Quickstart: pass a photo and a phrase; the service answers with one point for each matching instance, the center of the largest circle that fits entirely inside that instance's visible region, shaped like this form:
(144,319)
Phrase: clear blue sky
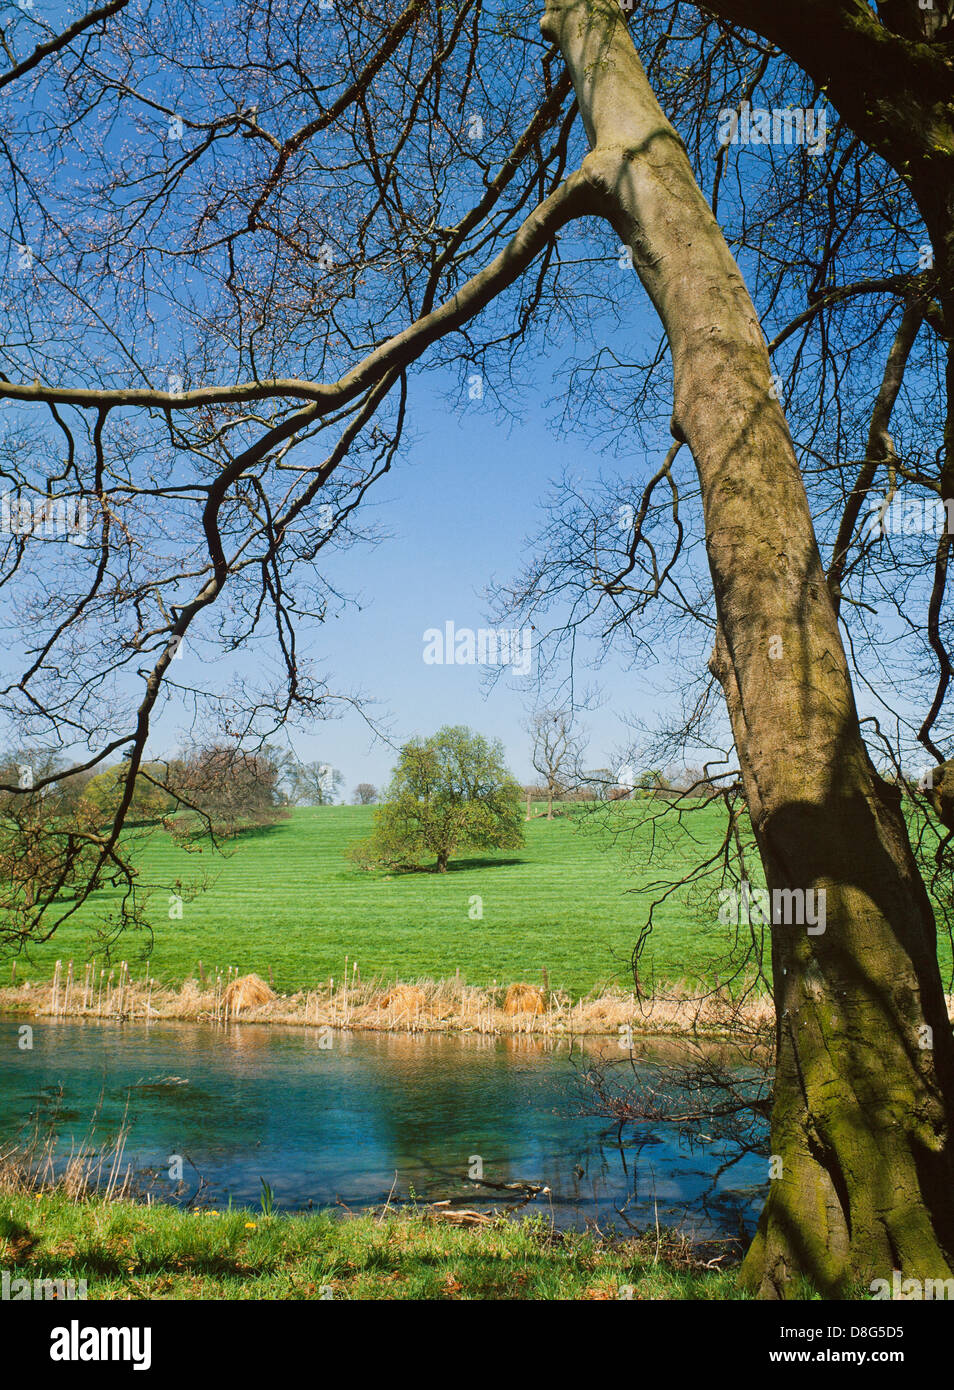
(459,504)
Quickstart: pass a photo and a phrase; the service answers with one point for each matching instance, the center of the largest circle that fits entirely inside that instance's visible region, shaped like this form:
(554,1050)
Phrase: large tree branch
(880,446)
(844,47)
(60,41)
(909,287)
(574,198)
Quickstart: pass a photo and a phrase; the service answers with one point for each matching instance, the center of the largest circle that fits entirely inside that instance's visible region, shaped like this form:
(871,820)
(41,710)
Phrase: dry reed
(419,1006)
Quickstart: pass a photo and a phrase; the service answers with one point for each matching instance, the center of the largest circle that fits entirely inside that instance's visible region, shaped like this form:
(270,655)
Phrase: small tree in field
(226,789)
(365,794)
(310,784)
(448,792)
(150,803)
(557,749)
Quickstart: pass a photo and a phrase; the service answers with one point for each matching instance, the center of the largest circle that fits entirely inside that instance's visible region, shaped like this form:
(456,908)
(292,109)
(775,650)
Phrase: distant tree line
(60,823)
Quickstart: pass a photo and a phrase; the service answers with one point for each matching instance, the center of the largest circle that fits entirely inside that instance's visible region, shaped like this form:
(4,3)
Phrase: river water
(369,1116)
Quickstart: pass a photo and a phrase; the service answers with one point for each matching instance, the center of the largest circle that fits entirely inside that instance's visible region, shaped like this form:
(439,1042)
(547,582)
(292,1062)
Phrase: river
(373,1114)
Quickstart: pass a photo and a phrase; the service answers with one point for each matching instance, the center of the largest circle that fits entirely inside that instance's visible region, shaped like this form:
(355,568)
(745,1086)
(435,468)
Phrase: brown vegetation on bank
(524,999)
(247,992)
(419,1006)
(422,1006)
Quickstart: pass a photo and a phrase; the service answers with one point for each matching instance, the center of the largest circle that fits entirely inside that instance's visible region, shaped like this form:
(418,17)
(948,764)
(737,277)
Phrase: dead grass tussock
(247,992)
(524,999)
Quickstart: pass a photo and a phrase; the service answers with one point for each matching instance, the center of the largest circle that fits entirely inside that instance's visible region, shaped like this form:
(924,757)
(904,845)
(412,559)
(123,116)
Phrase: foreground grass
(126,1250)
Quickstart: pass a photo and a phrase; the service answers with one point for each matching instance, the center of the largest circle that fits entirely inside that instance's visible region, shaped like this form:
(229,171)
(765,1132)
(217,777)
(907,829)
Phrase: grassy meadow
(126,1250)
(286,903)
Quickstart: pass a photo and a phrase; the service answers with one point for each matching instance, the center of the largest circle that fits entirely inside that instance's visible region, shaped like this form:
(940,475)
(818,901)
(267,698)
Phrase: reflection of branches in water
(717,1098)
(722,1242)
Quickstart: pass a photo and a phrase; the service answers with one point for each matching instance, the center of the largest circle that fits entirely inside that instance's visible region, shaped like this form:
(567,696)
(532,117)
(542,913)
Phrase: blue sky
(459,506)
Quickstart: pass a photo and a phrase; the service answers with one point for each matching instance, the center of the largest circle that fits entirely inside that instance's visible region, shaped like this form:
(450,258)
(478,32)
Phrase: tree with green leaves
(151,799)
(448,793)
(214,329)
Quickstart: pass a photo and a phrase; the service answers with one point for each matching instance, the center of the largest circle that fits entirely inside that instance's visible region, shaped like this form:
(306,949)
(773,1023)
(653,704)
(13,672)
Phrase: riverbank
(421,1006)
(128,1250)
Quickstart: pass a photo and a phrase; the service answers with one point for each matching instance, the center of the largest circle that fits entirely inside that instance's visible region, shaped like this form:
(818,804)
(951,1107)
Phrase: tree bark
(864,1092)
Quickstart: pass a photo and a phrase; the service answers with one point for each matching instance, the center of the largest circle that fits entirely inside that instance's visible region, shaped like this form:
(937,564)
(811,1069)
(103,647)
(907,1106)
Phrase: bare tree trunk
(864,1094)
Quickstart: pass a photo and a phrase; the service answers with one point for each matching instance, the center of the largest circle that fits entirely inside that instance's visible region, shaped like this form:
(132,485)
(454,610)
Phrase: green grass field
(126,1251)
(573,900)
